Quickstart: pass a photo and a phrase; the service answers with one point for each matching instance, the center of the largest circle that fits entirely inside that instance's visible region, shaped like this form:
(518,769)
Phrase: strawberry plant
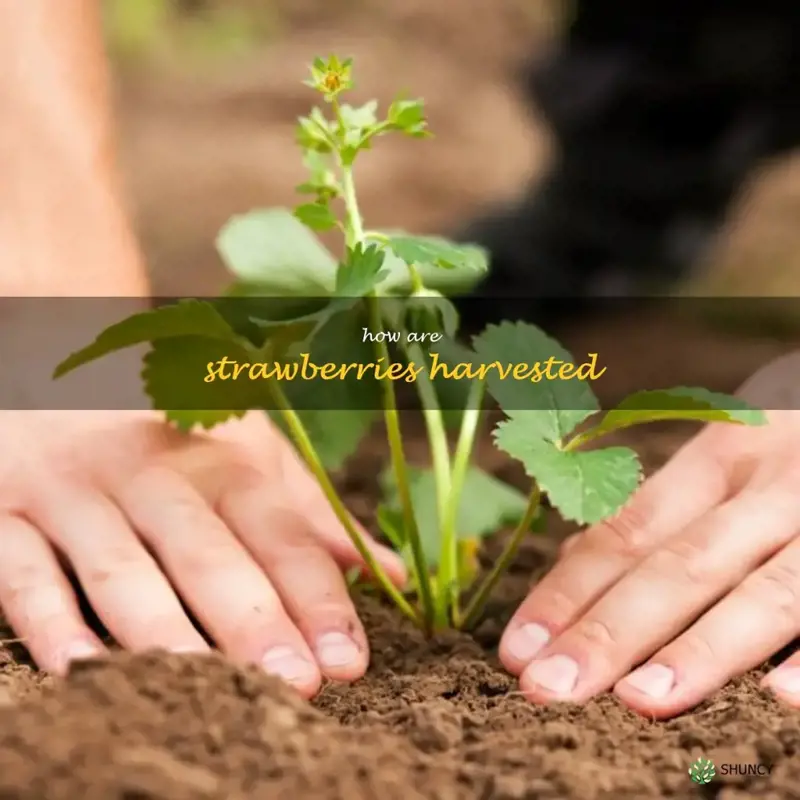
(322,344)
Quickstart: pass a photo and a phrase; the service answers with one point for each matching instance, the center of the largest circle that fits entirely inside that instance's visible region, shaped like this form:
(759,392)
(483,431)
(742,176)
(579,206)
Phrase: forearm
(63,226)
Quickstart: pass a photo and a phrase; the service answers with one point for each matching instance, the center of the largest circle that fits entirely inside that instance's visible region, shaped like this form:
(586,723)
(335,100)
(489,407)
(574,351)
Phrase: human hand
(229,521)
(699,577)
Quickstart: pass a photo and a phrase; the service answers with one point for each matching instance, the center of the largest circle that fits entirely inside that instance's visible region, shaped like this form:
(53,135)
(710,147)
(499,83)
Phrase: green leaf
(679,403)
(174,377)
(425,312)
(338,412)
(439,252)
(430,312)
(317,216)
(184,318)
(398,282)
(335,434)
(406,112)
(279,321)
(361,117)
(390,521)
(486,505)
(338,341)
(585,486)
(314,133)
(273,249)
(361,271)
(551,408)
(322,179)
(408,116)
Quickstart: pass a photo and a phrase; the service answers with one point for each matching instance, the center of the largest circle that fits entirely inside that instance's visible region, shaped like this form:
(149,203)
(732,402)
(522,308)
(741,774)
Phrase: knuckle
(25,581)
(330,613)
(300,548)
(683,562)
(116,562)
(596,634)
(557,607)
(243,478)
(624,535)
(137,492)
(217,557)
(776,586)
(265,618)
(152,475)
(699,649)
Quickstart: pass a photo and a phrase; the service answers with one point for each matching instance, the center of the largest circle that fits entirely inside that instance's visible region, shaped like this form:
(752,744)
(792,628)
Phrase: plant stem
(400,468)
(417,284)
(581,439)
(355,235)
(598,431)
(300,436)
(437,432)
(461,461)
(440,459)
(355,227)
(478,601)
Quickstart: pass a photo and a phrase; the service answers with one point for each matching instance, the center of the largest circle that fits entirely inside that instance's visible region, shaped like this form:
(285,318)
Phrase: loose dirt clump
(164,726)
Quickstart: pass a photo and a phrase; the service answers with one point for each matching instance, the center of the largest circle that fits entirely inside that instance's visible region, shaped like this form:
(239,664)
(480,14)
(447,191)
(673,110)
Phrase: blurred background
(209,90)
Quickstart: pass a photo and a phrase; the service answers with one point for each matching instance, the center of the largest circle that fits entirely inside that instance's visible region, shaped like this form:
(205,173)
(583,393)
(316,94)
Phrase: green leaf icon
(702,771)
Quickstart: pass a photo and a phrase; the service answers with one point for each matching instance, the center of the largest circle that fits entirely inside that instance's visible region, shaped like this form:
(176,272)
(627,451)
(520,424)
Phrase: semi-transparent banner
(231,353)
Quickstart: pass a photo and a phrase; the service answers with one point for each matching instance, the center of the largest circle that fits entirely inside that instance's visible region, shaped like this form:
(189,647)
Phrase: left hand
(698,577)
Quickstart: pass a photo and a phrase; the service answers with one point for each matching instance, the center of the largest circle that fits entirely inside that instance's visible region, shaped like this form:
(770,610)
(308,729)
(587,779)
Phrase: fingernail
(189,649)
(557,674)
(525,642)
(287,664)
(79,651)
(785,680)
(337,650)
(654,680)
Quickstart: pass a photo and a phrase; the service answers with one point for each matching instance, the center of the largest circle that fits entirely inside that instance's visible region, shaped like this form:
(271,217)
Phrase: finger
(662,595)
(568,544)
(697,478)
(784,680)
(38,601)
(755,621)
(307,578)
(301,490)
(218,578)
(126,588)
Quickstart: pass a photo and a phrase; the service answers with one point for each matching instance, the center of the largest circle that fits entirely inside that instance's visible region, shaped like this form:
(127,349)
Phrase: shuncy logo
(702,771)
